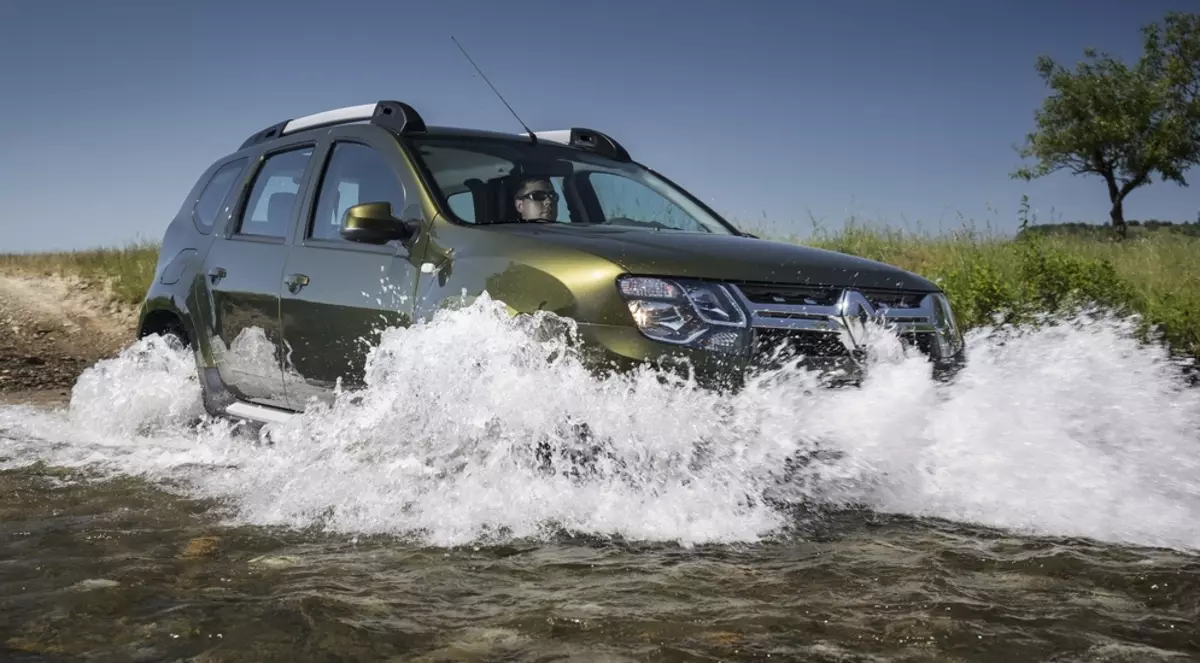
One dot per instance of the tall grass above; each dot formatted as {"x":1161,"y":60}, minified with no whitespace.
{"x":989,"y":278}
{"x":1155,"y":274}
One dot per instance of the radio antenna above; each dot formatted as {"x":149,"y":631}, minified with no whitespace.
{"x":532,"y":136}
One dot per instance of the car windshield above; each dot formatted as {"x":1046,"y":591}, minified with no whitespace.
{"x":482,"y":179}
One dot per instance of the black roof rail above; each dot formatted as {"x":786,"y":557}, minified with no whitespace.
{"x":586,"y":139}
{"x":394,"y":115}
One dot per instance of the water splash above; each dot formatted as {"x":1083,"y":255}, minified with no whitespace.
{"x":1072,"y":428}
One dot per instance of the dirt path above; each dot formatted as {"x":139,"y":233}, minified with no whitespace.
{"x":51,"y":329}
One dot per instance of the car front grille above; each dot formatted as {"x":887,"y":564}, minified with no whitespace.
{"x":795,"y":295}
{"x":770,"y":294}
{"x":816,"y":322}
{"x":787,"y":343}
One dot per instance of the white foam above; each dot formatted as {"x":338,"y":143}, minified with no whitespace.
{"x":1074,"y":429}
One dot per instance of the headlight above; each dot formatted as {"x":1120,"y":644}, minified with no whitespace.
{"x":684,"y":312}
{"x":949,"y":337}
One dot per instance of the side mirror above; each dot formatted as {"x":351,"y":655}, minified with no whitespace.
{"x":373,"y":223}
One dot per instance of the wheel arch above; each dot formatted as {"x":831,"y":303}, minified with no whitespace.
{"x":164,"y":320}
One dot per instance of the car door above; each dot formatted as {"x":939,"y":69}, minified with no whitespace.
{"x":339,"y":295}
{"x":242,"y":272}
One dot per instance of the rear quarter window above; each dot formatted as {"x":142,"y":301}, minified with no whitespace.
{"x":210,"y":202}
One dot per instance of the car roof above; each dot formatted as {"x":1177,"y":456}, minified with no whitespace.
{"x":404,"y":120}
{"x":467,"y":132}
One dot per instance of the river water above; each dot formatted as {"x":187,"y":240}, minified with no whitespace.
{"x":1045,"y":506}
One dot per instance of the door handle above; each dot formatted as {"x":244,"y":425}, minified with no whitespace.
{"x":216,"y":274}
{"x":296,"y":281}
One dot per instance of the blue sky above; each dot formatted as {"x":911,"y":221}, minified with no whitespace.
{"x":899,"y":113}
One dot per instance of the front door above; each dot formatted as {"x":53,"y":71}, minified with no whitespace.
{"x":339,"y":295}
{"x":242,"y":272}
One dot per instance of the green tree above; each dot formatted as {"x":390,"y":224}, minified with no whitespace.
{"x":1123,"y":123}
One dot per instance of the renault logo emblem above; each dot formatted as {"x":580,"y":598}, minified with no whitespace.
{"x":855,"y":305}
{"x":854,"y":311}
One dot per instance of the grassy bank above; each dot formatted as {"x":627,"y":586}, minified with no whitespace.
{"x":1156,"y":274}
{"x":127,"y":270}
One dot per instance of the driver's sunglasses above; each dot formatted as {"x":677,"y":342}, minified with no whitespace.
{"x":542,"y":196}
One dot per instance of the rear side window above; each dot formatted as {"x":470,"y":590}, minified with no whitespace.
{"x":208,"y":205}
{"x":268,"y":212}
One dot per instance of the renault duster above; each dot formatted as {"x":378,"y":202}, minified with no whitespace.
{"x":288,"y":253}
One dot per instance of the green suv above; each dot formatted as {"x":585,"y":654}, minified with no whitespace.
{"x":290,"y":255}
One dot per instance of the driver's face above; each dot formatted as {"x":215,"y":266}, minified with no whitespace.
{"x":538,"y":200}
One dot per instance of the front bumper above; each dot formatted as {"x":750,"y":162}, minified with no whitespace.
{"x":624,"y":349}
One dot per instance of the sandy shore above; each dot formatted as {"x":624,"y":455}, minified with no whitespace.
{"x":52,"y":329}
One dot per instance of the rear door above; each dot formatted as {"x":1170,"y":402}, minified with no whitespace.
{"x":339,"y":295}
{"x":242,"y":274}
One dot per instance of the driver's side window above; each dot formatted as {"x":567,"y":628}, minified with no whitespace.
{"x":621,"y":197}
{"x":355,"y":174}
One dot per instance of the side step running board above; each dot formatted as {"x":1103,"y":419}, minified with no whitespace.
{"x":259,"y":413}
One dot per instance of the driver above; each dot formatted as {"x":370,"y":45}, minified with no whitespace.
{"x":536,"y":200}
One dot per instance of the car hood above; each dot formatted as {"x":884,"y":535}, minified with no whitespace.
{"x":721,"y":257}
